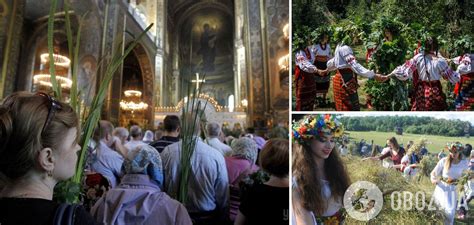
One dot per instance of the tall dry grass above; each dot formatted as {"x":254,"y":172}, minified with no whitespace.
{"x":389,"y":181}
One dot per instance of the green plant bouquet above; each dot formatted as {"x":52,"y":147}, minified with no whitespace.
{"x":192,"y":111}
{"x":319,"y":33}
{"x":70,"y":190}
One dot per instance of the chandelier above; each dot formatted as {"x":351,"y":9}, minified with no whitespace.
{"x":61,"y":64}
{"x":284,"y":61}
{"x":134,"y":103}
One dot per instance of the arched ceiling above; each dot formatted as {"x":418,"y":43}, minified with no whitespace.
{"x":178,"y":7}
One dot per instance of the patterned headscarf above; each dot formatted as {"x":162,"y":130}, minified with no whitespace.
{"x":246,"y":148}
{"x":144,"y":159}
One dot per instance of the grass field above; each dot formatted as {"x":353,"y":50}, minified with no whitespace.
{"x":435,"y":143}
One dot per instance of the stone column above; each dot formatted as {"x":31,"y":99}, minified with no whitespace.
{"x":256,"y":67}
{"x":113,"y":43}
{"x":276,"y":15}
{"x":11,"y":20}
{"x":159,"y":58}
{"x":240,"y":69}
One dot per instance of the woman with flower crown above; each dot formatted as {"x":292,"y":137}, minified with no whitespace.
{"x":445,"y":176}
{"x":319,"y":176}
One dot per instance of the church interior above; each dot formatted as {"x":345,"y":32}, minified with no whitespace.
{"x":233,"y":52}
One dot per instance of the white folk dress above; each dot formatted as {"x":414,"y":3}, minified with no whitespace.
{"x":445,"y":195}
{"x":333,"y":205}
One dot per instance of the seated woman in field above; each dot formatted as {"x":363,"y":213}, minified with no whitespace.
{"x":394,"y":151}
{"x":409,"y":162}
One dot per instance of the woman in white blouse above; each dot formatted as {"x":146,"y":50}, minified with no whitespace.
{"x":320,"y":178}
{"x":322,"y":53}
{"x":305,"y":72}
{"x":345,"y":83}
{"x":445,"y":176}
{"x":426,"y":70}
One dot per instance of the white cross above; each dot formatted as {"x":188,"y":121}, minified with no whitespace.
{"x":197,"y":81}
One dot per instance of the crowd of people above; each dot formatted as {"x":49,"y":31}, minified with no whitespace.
{"x":133,"y":177}
{"x":315,"y":60}
{"x":453,"y":162}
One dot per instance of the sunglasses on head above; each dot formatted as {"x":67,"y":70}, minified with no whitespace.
{"x":53,"y":106}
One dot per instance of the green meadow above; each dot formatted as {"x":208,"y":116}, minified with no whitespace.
{"x":434,"y":143}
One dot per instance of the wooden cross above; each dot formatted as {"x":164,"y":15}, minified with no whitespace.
{"x":197,"y":81}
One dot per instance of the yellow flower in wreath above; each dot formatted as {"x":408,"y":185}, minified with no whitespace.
{"x":313,"y":123}
{"x":331,"y":124}
{"x":331,"y":221}
{"x":338,"y":132}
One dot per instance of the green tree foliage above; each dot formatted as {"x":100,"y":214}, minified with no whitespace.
{"x":410,"y":124}
{"x":392,"y":95}
{"x":449,"y":20}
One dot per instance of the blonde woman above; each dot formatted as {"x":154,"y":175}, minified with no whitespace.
{"x":445,"y":176}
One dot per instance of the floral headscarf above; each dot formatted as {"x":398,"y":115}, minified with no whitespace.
{"x":315,"y":126}
{"x":144,"y":159}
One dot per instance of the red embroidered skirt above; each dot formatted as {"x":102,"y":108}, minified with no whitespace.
{"x":428,"y":96}
{"x":305,"y":91}
{"x":465,"y":92}
{"x":345,"y":100}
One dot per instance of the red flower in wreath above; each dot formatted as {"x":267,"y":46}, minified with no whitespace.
{"x":302,"y":130}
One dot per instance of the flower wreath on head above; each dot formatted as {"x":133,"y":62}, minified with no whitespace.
{"x":315,"y":126}
{"x":454,"y":147}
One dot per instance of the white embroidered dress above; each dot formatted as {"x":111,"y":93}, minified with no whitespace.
{"x":333,"y":205}
{"x":445,"y":195}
